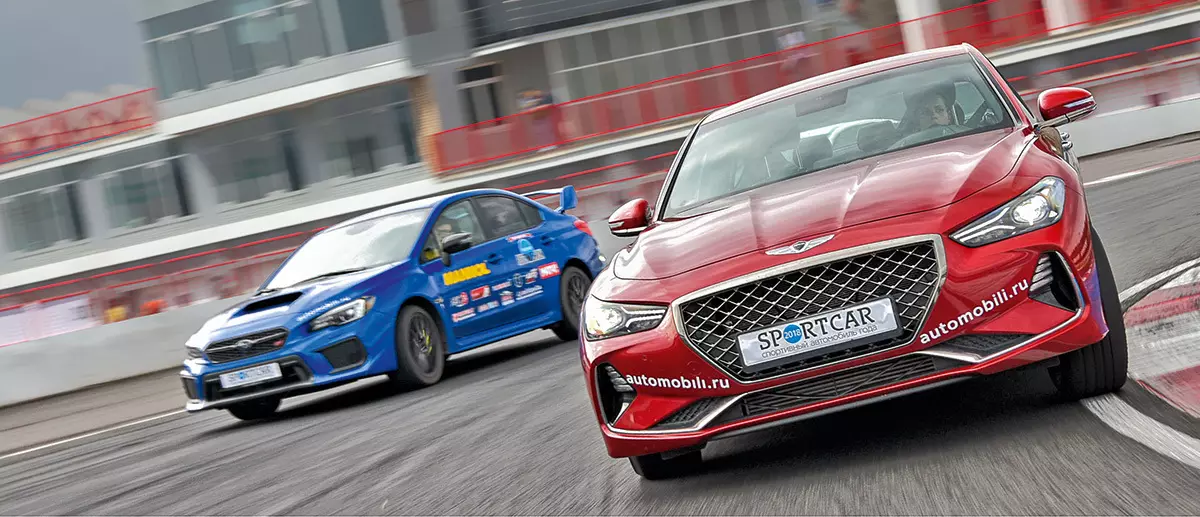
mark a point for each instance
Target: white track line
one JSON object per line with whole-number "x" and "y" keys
{"x": 93, "y": 433}
{"x": 1140, "y": 172}
{"x": 1147, "y": 431}
{"x": 1124, "y": 419}
{"x": 1145, "y": 284}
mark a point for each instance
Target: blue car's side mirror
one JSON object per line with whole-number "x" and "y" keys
{"x": 568, "y": 199}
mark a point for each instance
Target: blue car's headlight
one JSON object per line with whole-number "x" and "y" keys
{"x": 1037, "y": 208}
{"x": 343, "y": 314}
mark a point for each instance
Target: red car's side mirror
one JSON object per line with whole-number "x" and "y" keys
{"x": 630, "y": 219}
{"x": 1059, "y": 106}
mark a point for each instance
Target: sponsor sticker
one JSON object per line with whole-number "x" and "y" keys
{"x": 480, "y": 293}
{"x": 984, "y": 307}
{"x": 484, "y": 307}
{"x": 506, "y": 298}
{"x": 529, "y": 293}
{"x": 459, "y": 300}
{"x": 466, "y": 273}
{"x": 518, "y": 280}
{"x": 519, "y": 236}
{"x": 525, "y": 259}
{"x": 322, "y": 308}
{"x": 531, "y": 276}
{"x": 462, "y": 315}
{"x": 549, "y": 270}
{"x": 681, "y": 382}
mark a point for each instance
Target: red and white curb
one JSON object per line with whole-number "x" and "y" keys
{"x": 1162, "y": 357}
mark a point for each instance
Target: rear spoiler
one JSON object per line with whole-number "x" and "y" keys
{"x": 568, "y": 199}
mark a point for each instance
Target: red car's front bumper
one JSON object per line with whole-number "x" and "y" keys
{"x": 683, "y": 399}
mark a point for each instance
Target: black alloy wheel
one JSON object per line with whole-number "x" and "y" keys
{"x": 420, "y": 349}
{"x": 573, "y": 289}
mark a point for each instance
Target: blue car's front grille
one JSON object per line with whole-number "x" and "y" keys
{"x": 246, "y": 346}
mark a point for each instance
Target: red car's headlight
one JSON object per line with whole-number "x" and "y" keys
{"x": 1037, "y": 208}
{"x": 603, "y": 320}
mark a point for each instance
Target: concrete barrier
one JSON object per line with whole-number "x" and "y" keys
{"x": 1114, "y": 131}
{"x": 76, "y": 360}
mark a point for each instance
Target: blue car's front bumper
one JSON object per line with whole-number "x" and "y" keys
{"x": 307, "y": 362}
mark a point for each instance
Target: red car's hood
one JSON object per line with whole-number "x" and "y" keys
{"x": 903, "y": 182}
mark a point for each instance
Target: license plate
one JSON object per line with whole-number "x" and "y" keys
{"x": 254, "y": 375}
{"x": 819, "y": 334}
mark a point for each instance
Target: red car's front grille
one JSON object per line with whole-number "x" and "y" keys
{"x": 907, "y": 274}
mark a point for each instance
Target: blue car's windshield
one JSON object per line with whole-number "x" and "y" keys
{"x": 365, "y": 244}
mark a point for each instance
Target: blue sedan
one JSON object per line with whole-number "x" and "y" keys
{"x": 395, "y": 292}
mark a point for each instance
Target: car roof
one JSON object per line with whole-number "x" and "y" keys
{"x": 418, "y": 204}
{"x": 837, "y": 76}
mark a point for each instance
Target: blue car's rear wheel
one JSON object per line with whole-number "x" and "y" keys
{"x": 420, "y": 349}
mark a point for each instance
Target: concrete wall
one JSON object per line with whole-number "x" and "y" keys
{"x": 102, "y": 354}
{"x": 1114, "y": 131}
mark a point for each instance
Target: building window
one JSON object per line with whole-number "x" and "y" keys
{"x": 42, "y": 218}
{"x": 363, "y": 23}
{"x": 143, "y": 194}
{"x": 418, "y": 16}
{"x": 479, "y": 85}
{"x": 228, "y": 40}
{"x": 249, "y": 160}
{"x": 366, "y": 132}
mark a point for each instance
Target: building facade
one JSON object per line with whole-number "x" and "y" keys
{"x": 273, "y": 113}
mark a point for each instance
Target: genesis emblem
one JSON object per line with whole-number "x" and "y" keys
{"x": 800, "y": 247}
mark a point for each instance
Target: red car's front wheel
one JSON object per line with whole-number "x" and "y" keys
{"x": 1100, "y": 367}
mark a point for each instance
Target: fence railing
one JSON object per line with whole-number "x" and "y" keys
{"x": 78, "y": 125}
{"x": 989, "y": 25}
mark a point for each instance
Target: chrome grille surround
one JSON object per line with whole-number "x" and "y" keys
{"x": 226, "y": 351}
{"x": 840, "y": 278}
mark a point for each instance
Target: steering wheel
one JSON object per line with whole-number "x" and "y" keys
{"x": 932, "y": 133}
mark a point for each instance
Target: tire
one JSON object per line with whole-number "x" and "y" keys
{"x": 256, "y": 409}
{"x": 655, "y": 466}
{"x": 420, "y": 349}
{"x": 1101, "y": 367}
{"x": 572, "y": 291}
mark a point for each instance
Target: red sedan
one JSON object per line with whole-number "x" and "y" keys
{"x": 882, "y": 229}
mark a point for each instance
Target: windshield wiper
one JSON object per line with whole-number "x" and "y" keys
{"x": 339, "y": 272}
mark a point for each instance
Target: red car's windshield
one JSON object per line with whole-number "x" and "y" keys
{"x": 833, "y": 125}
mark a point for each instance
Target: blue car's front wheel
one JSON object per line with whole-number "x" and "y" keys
{"x": 420, "y": 349}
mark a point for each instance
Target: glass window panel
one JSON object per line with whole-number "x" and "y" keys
{"x": 305, "y": 35}
{"x": 666, "y": 33}
{"x": 262, "y": 32}
{"x": 633, "y": 40}
{"x": 602, "y": 46}
{"x": 362, "y": 23}
{"x": 176, "y": 67}
{"x": 570, "y": 52}
{"x": 729, "y": 21}
{"x": 697, "y": 26}
{"x": 212, "y": 55}
{"x": 608, "y": 77}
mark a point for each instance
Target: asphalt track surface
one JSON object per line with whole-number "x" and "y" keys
{"x": 509, "y": 431}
